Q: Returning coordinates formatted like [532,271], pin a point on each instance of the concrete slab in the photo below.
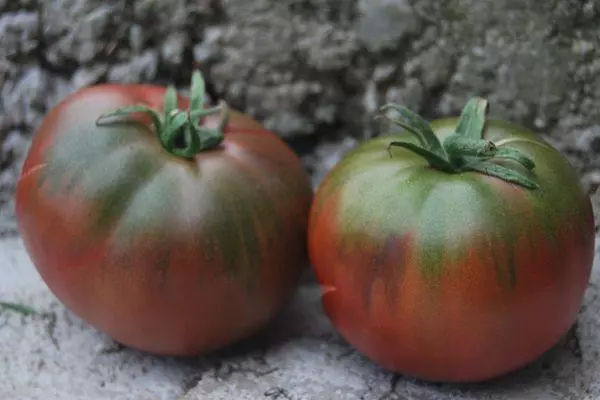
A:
[299,357]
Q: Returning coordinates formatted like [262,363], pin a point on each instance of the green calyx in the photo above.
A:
[465,149]
[180,131]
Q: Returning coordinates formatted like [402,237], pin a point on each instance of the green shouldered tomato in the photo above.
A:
[173,227]
[454,251]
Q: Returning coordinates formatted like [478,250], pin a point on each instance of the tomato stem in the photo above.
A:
[463,150]
[181,131]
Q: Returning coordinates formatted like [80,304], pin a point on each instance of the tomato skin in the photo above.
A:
[451,277]
[164,254]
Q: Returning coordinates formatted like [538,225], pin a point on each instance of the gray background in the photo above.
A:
[314,71]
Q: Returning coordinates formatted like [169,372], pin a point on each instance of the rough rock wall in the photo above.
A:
[312,70]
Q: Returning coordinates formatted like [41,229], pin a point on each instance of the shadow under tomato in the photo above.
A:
[558,370]
[561,367]
[296,319]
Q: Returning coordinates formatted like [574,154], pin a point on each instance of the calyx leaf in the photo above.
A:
[463,150]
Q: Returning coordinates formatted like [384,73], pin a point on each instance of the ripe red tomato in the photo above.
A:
[455,251]
[174,231]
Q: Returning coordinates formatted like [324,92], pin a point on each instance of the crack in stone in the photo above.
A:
[369,383]
[390,394]
[113,348]
[278,393]
[393,394]
[50,318]
[189,383]
[347,353]
[573,342]
[237,360]
[225,371]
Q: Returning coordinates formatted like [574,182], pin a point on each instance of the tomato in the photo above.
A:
[457,250]
[173,227]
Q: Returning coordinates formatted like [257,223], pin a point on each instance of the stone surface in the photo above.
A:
[56,356]
[314,71]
